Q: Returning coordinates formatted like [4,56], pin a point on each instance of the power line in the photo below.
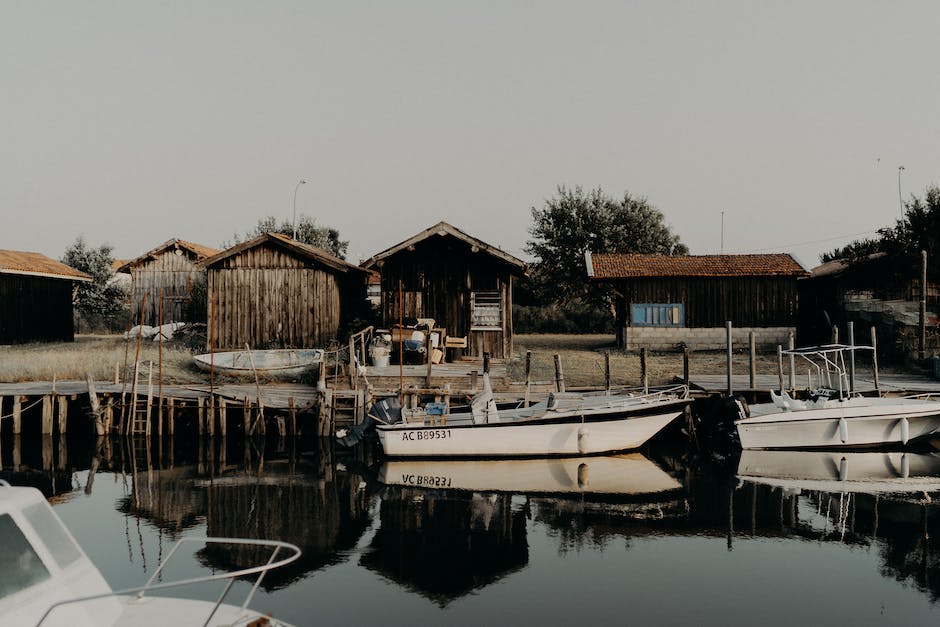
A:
[815,241]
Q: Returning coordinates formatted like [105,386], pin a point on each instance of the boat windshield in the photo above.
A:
[20,567]
[53,534]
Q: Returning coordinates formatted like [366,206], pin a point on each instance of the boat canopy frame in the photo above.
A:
[832,357]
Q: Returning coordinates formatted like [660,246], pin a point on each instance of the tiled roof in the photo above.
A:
[37,264]
[612,266]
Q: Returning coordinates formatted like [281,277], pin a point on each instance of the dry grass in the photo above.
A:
[582,361]
[95,354]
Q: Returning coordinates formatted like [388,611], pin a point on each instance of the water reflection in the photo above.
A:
[442,530]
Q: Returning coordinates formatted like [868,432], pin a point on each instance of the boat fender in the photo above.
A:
[843,430]
[582,440]
[905,466]
[905,430]
[583,478]
[843,469]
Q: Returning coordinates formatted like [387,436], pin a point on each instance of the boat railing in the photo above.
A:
[292,554]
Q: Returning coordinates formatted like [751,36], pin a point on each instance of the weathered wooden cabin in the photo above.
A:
[664,301]
[36,298]
[461,282]
[169,274]
[274,292]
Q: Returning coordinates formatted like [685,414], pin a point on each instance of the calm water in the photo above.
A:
[663,537]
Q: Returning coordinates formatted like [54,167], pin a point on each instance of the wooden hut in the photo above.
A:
[461,282]
[273,291]
[664,301]
[36,298]
[169,274]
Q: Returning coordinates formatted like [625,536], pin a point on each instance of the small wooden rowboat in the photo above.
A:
[277,363]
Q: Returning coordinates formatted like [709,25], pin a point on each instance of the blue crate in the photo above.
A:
[435,409]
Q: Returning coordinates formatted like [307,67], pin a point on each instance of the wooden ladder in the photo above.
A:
[139,419]
[347,408]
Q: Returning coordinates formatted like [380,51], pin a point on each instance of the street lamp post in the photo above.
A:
[296,187]
[900,199]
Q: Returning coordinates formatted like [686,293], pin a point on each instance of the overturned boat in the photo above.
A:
[276,363]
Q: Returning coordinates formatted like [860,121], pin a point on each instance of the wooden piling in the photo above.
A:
[607,371]
[149,399]
[874,359]
[644,372]
[201,416]
[752,350]
[171,415]
[223,417]
[528,376]
[62,414]
[922,336]
[17,414]
[685,365]
[46,428]
[791,344]
[95,405]
[851,339]
[729,385]
[292,412]
[780,366]
[835,334]
[559,374]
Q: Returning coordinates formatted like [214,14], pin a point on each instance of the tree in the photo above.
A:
[918,230]
[573,222]
[307,232]
[101,303]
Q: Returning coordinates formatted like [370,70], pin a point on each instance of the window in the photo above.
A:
[57,539]
[486,311]
[20,567]
[657,314]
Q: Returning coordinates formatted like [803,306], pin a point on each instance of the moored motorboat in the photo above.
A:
[275,363]
[564,424]
[834,415]
[48,580]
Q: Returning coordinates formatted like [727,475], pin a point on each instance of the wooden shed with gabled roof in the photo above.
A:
[173,269]
[461,282]
[36,298]
[665,300]
[275,292]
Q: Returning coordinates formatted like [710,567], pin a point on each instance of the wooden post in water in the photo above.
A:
[728,357]
[559,375]
[171,416]
[644,373]
[149,398]
[17,414]
[851,339]
[874,359]
[791,344]
[780,366]
[835,334]
[607,371]
[223,417]
[752,350]
[528,376]
[686,353]
[922,341]
[62,414]
[47,414]
[95,405]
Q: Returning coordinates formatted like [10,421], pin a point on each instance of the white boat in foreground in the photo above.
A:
[46,579]
[275,363]
[832,416]
[840,471]
[620,475]
[564,424]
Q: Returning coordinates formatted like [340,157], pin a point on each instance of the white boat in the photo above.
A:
[564,424]
[834,416]
[620,475]
[276,363]
[46,579]
[841,471]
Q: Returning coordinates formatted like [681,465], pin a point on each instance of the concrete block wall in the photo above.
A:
[670,338]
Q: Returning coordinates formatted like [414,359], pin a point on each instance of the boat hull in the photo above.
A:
[842,426]
[268,363]
[537,438]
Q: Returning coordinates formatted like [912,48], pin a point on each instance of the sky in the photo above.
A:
[130,123]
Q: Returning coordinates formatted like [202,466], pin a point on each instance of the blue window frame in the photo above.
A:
[657,314]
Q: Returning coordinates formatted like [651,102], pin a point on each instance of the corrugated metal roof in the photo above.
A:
[37,264]
[622,266]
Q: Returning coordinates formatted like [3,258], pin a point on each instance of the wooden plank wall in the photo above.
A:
[711,301]
[265,298]
[35,309]
[437,278]
[176,274]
